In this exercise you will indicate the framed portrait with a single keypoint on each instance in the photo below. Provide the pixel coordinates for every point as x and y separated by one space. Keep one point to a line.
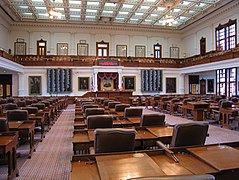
171 85
82 49
121 50
34 85
20 48
62 48
129 82
210 85
107 84
83 83
140 51
174 52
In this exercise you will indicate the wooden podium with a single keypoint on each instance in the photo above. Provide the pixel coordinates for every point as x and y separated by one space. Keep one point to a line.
122 96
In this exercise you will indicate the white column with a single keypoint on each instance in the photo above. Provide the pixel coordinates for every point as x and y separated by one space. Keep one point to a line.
95 81
181 86
21 85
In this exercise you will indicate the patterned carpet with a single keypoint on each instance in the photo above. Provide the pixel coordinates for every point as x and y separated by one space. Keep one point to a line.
52 157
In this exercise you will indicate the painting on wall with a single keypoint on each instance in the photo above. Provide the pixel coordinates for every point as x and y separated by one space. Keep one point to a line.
170 85
107 84
83 83
210 85
34 85
129 82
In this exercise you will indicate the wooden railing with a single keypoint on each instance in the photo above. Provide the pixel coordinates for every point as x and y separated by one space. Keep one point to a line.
55 60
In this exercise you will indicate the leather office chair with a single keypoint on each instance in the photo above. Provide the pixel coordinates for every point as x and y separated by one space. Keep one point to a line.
190 134
121 107
3 101
10 100
40 106
94 111
178 177
99 121
133 112
1 110
10 106
112 104
114 140
21 103
28 102
89 106
17 115
152 120
3 125
31 110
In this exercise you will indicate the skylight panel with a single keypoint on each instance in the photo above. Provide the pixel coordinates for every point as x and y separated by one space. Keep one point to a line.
27 13
43 14
128 6
176 10
91 10
139 14
75 16
74 2
93 3
185 3
37 0
74 9
148 20
134 19
153 15
150 1
110 4
57 1
201 5
161 8
108 12
23 7
144 7
119 18
40 8
59 9
90 17
123 12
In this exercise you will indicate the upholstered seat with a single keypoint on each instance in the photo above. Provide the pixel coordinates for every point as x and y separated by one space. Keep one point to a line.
3 125
89 106
112 104
133 112
189 134
152 120
99 121
40 106
114 140
17 115
94 111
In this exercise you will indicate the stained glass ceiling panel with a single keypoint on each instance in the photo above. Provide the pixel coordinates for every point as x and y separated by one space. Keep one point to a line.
172 13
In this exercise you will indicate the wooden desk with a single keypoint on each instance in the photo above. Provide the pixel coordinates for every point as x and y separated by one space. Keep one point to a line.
27 126
197 108
124 166
8 146
134 120
220 157
133 165
174 105
226 112
38 119
163 133
84 139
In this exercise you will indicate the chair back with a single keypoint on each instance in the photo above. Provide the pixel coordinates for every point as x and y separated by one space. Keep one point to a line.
99 121
133 112
10 106
94 111
121 107
89 106
40 106
114 140
21 103
3 125
190 134
17 115
112 104
31 110
153 120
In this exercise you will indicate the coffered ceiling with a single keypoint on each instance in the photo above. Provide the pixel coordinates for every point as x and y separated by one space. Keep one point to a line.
151 13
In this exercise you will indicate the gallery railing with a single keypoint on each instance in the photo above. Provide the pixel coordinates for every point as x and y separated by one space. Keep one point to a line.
56 60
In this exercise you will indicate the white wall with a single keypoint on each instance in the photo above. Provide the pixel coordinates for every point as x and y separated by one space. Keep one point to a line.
4 34
72 36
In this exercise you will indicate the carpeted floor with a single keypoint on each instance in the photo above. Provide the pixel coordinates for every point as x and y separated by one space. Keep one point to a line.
52 159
